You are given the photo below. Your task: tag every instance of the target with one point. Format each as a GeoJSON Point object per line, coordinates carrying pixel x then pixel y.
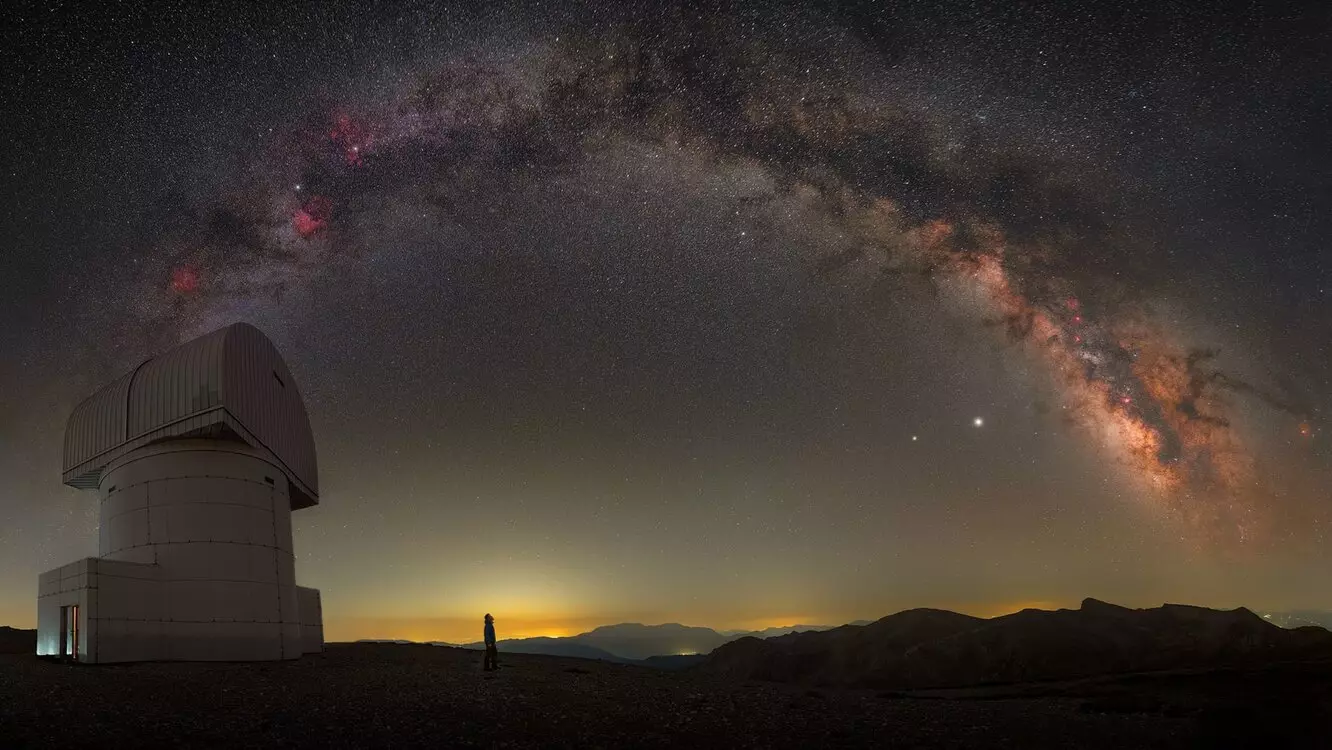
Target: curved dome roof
{"type": "Point", "coordinates": [231, 382]}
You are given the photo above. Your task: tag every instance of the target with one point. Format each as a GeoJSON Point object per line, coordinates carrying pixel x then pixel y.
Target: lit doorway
{"type": "Point", "coordinates": [69, 632]}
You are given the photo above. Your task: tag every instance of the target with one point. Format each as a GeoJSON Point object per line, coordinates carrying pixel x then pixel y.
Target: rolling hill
{"type": "Point", "coordinates": [1300, 618]}
{"type": "Point", "coordinates": [934, 648]}
{"type": "Point", "coordinates": [15, 641]}
{"type": "Point", "coordinates": [634, 642]}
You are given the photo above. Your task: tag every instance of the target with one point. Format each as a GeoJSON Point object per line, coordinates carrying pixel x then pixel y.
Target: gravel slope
{"type": "Point", "coordinates": [378, 695]}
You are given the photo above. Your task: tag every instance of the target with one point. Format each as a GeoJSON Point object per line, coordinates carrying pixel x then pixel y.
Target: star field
{"type": "Point", "coordinates": [717, 313]}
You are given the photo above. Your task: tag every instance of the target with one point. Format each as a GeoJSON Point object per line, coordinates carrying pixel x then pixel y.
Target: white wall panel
{"type": "Point", "coordinates": [286, 569]}
{"type": "Point", "coordinates": [129, 570]}
{"type": "Point", "coordinates": [231, 523]}
{"type": "Point", "coordinates": [112, 504]}
{"type": "Point", "coordinates": [254, 495]}
{"type": "Point", "coordinates": [129, 529]}
{"type": "Point", "coordinates": [292, 643]}
{"type": "Point", "coordinates": [48, 624]}
{"type": "Point", "coordinates": [145, 555]}
{"type": "Point", "coordinates": [90, 637]}
{"type": "Point", "coordinates": [158, 520]}
{"type": "Point", "coordinates": [228, 561]}
{"type": "Point", "coordinates": [186, 485]}
{"type": "Point", "coordinates": [182, 561]}
{"type": "Point", "coordinates": [189, 601]}
{"type": "Point", "coordinates": [187, 522]}
{"type": "Point", "coordinates": [114, 534]}
{"type": "Point", "coordinates": [128, 640]}
{"type": "Point", "coordinates": [133, 497]}
{"type": "Point", "coordinates": [312, 620]}
{"type": "Point", "coordinates": [263, 564]}
{"type": "Point", "coordinates": [261, 529]}
{"type": "Point", "coordinates": [137, 527]}
{"type": "Point", "coordinates": [115, 602]}
{"type": "Point", "coordinates": [282, 531]}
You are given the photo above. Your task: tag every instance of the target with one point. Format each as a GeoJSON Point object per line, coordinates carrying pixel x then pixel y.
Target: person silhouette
{"type": "Point", "coordinates": [492, 653]}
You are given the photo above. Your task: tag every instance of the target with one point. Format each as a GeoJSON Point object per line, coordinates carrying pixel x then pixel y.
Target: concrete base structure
{"type": "Point", "coordinates": [195, 563]}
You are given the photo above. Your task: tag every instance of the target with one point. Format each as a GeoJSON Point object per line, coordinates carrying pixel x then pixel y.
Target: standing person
{"type": "Point", "coordinates": [492, 653]}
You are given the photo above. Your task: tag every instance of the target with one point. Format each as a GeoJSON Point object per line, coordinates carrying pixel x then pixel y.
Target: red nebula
{"type": "Point", "coordinates": [1306, 430]}
{"type": "Point", "coordinates": [351, 137]}
{"type": "Point", "coordinates": [1072, 303]}
{"type": "Point", "coordinates": [184, 280]}
{"type": "Point", "coordinates": [312, 216]}
{"type": "Point", "coordinates": [936, 232]}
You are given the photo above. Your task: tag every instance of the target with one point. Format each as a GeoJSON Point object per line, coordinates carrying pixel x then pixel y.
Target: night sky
{"type": "Point", "coordinates": [734, 315]}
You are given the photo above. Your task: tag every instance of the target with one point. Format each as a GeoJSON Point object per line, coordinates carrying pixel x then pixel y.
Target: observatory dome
{"type": "Point", "coordinates": [230, 384]}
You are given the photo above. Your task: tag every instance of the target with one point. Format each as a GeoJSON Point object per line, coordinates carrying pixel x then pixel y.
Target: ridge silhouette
{"type": "Point", "coordinates": [924, 648]}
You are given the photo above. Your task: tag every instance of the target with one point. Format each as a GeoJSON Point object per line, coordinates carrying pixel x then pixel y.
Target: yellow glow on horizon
{"type": "Point", "coordinates": [455, 629]}
{"type": "Point", "coordinates": [532, 625]}
{"type": "Point", "coordinates": [537, 624]}
{"type": "Point", "coordinates": [784, 621]}
{"type": "Point", "coordinates": [22, 618]}
{"type": "Point", "coordinates": [999, 610]}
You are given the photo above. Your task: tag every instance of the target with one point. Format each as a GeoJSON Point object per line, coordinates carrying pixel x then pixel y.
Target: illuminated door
{"type": "Point", "coordinates": [69, 632]}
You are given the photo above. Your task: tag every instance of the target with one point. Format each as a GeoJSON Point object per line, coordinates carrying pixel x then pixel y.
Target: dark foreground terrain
{"type": "Point", "coordinates": [374, 695]}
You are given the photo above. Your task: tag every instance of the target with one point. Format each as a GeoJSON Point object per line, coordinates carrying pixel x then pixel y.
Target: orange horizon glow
{"type": "Point", "coordinates": [468, 629]}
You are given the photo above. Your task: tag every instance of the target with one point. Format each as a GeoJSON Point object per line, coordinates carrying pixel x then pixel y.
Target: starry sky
{"type": "Point", "coordinates": [730, 314]}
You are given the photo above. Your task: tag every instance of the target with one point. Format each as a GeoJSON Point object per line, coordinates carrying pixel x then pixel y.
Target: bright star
{"type": "Point", "coordinates": [978, 422]}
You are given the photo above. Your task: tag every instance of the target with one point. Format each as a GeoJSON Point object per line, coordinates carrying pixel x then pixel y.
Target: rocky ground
{"type": "Point", "coordinates": [378, 695]}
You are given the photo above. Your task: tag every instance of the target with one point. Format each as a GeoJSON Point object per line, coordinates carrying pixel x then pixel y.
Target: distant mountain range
{"type": "Point", "coordinates": [923, 648]}
{"type": "Point", "coordinates": [14, 641]}
{"type": "Point", "coordinates": [935, 648]}
{"type": "Point", "coordinates": [670, 645]}
{"type": "Point", "coordinates": [1300, 618]}
{"type": "Point", "coordinates": [785, 630]}
{"type": "Point", "coordinates": [675, 646]}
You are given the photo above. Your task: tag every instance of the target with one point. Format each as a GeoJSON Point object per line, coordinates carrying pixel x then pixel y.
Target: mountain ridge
{"type": "Point", "coordinates": [935, 648]}
{"type": "Point", "coordinates": [634, 642]}
{"type": "Point", "coordinates": [677, 644]}
{"type": "Point", "coordinates": [17, 641]}
{"type": "Point", "coordinates": [628, 642]}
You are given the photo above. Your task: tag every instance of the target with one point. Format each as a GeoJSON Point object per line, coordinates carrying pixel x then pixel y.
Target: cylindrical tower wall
{"type": "Point", "coordinates": [215, 517]}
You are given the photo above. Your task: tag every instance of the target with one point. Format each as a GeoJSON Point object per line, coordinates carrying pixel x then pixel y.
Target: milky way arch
{"type": "Point", "coordinates": [1027, 246]}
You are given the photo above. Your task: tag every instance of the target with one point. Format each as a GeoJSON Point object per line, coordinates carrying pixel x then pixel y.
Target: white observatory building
{"type": "Point", "coordinates": [198, 457]}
